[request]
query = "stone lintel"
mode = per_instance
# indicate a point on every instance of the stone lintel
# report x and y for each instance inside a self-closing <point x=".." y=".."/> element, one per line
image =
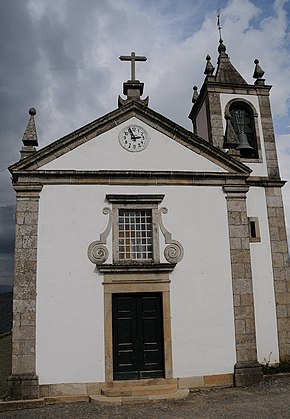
<point x="247" y="373"/>
<point x="142" y="267"/>
<point x="23" y="386"/>
<point x="150" y="198"/>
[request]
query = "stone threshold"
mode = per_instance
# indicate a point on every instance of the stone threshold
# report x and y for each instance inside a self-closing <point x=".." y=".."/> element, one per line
<point x="133" y="399"/>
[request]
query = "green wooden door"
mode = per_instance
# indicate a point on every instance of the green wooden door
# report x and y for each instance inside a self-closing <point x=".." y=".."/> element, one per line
<point x="137" y="336"/>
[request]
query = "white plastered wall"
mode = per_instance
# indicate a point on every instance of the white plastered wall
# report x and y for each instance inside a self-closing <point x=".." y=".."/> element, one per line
<point x="105" y="153"/>
<point x="263" y="286"/>
<point x="70" y="319"/>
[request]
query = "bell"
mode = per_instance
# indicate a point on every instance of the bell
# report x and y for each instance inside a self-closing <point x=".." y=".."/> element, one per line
<point x="243" y="142"/>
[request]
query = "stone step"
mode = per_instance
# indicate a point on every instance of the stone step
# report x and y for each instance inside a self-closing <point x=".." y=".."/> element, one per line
<point x="141" y="383"/>
<point x="139" y="390"/>
<point x="102" y="399"/>
<point x="144" y="387"/>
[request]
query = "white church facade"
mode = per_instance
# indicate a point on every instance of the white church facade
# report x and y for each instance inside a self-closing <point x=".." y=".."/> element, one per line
<point x="147" y="254"/>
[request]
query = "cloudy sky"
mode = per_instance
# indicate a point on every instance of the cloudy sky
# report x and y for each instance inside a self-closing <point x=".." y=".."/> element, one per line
<point x="61" y="57"/>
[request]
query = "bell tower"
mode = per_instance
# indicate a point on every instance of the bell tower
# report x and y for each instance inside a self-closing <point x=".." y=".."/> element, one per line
<point x="235" y="117"/>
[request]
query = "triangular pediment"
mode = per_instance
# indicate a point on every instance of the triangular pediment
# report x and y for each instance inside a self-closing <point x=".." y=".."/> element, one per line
<point x="96" y="147"/>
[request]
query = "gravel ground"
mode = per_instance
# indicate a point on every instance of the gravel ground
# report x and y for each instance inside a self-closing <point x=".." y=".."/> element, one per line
<point x="268" y="400"/>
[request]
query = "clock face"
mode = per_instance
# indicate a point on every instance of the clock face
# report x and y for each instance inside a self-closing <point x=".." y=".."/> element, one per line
<point x="133" y="138"/>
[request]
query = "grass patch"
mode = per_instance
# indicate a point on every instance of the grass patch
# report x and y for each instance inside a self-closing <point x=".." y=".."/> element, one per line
<point x="283" y="366"/>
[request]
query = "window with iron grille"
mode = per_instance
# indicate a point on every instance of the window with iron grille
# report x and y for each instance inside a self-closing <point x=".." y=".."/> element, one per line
<point x="135" y="234"/>
<point x="135" y="228"/>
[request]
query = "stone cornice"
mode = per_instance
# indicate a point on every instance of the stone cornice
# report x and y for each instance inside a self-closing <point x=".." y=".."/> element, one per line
<point x="33" y="180"/>
<point x="133" y="177"/>
<point x="265" y="182"/>
<point x="248" y="88"/>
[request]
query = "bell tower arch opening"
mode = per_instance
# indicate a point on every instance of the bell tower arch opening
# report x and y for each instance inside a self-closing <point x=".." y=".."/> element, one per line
<point x="242" y="119"/>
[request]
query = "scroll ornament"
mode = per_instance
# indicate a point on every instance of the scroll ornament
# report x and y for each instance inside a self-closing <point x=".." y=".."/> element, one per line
<point x="173" y="252"/>
<point x="97" y="251"/>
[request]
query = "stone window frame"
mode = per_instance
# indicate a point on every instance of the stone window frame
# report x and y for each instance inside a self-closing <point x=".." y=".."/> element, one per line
<point x="256" y="124"/>
<point x="135" y="202"/>
<point x="98" y="252"/>
<point x="254" y="224"/>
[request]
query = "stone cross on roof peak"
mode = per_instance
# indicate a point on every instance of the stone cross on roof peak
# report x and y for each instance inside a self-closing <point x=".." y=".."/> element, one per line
<point x="133" y="58"/>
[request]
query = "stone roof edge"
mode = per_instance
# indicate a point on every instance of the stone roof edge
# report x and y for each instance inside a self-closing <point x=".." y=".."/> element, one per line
<point x="65" y="141"/>
<point x="116" y="117"/>
<point x="213" y="85"/>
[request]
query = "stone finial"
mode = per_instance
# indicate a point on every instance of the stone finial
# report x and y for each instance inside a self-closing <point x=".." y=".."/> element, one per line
<point x="30" y="136"/>
<point x="209" y="68"/>
<point x="195" y="94"/>
<point x="221" y="48"/>
<point x="258" y="73"/>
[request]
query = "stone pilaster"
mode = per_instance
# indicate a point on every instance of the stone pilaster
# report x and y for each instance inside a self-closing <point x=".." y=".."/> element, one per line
<point x="247" y="369"/>
<point x="215" y="119"/>
<point x="23" y="382"/>
<point x="268" y="132"/>
<point x="279" y="249"/>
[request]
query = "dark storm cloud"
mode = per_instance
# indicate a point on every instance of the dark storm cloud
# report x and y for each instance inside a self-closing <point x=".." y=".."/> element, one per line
<point x="17" y="74"/>
<point x="42" y="60"/>
<point x="65" y="41"/>
<point x="44" y="63"/>
<point x="18" y="88"/>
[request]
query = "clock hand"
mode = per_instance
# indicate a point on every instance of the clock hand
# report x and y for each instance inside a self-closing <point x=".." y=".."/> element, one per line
<point x="131" y="132"/>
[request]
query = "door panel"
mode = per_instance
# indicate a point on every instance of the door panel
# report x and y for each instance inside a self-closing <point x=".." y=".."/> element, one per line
<point x="137" y="336"/>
